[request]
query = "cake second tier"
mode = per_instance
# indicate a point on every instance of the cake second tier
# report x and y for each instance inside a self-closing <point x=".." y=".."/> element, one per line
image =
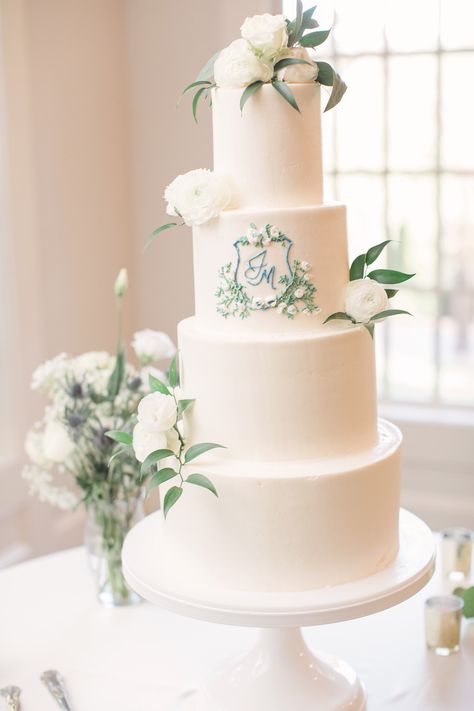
<point x="280" y="397"/>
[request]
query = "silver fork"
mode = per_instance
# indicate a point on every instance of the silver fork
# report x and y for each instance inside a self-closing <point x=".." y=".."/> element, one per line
<point x="54" y="682"/>
<point x="11" y="694"/>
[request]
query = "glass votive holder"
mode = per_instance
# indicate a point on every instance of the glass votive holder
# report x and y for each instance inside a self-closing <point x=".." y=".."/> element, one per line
<point x="456" y="553"/>
<point x="443" y="615"/>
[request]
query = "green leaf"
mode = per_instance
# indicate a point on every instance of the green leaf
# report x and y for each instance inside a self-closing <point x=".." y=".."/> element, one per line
<point x="329" y="77"/>
<point x="389" y="312"/>
<point x="389" y="276"/>
<point x="116" y="377"/>
<point x="357" y="268"/>
<point x="374" y="252"/>
<point x="309" y="22"/>
<point x="247" y="93"/>
<point x="370" y="328"/>
<point x="173" y="372"/>
<point x="156" y="385"/>
<point x="171" y="497"/>
<point x="195" y="84"/>
<point x="197" y="449"/>
<point x="155" y="457"/>
<point x="288" y="62"/>
<point x="286" y="92"/>
<point x="196" y="98"/>
<point x="467" y="594"/>
<point x="339" y="315"/>
<point x="294" y="28"/>
<point x="184" y="404"/>
<point x="325" y="74"/>
<point x="156" y="232"/>
<point x="160" y="477"/>
<point x="201" y="480"/>
<point x="117" y="436"/>
<point x="314" y="39"/>
<point x="117" y="454"/>
<point x="207" y="72"/>
<point x="391" y="293"/>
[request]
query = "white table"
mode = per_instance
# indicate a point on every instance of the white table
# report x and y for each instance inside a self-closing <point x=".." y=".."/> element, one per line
<point x="141" y="658"/>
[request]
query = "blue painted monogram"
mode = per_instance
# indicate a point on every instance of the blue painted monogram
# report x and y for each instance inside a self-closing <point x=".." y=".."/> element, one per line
<point x="257" y="270"/>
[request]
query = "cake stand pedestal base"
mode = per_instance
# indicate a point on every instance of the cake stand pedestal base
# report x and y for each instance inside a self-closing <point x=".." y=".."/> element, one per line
<point x="279" y="673"/>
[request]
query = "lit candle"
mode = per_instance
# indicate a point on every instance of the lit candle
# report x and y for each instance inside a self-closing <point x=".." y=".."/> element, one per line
<point x="443" y="615"/>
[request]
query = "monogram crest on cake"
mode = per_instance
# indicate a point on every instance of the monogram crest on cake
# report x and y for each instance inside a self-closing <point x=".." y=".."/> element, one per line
<point x="264" y="275"/>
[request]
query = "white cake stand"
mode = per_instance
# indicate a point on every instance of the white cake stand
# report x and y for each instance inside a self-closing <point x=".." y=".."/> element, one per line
<point x="280" y="673"/>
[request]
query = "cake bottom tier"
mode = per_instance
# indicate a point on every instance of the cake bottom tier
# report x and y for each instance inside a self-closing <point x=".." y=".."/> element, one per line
<point x="287" y="526"/>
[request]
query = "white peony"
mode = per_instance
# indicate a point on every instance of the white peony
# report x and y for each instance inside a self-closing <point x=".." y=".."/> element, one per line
<point x="157" y="412"/>
<point x="151" y="346"/>
<point x="238" y="66"/>
<point x="364" y="298"/>
<point x="57" y="445"/>
<point x="146" y="441"/>
<point x="198" y="196"/>
<point x="299" y="73"/>
<point x="266" y="33"/>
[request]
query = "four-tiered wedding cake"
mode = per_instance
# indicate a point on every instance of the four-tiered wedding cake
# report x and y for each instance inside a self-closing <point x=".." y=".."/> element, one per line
<point x="308" y="485"/>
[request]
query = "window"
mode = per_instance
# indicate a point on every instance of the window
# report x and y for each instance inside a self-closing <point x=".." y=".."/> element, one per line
<point x="399" y="151"/>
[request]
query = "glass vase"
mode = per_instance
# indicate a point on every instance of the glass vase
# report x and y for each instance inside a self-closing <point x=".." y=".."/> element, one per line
<point x="107" y="524"/>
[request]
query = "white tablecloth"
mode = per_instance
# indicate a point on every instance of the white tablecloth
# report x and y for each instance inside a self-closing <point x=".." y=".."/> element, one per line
<point x="142" y="658"/>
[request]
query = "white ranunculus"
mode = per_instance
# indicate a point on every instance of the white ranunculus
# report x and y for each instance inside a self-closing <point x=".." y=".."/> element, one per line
<point x="364" y="298"/>
<point x="151" y="346"/>
<point x="199" y="196"/>
<point x="57" y="445"/>
<point x="237" y="66"/>
<point x="157" y="412"/>
<point x="299" y="73"/>
<point x="146" y="441"/>
<point x="266" y="33"/>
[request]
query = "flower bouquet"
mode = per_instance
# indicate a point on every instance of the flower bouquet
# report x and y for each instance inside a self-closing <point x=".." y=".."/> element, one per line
<point x="73" y="462"/>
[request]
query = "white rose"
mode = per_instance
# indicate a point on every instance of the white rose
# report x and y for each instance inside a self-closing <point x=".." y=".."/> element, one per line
<point x="299" y="293"/>
<point x="299" y="73"/>
<point x="238" y="66"/>
<point x="157" y="412"/>
<point x="198" y="196"/>
<point x="146" y="441"/>
<point x="57" y="445"/>
<point x="305" y="266"/>
<point x="364" y="298"/>
<point x="151" y="346"/>
<point x="266" y="33"/>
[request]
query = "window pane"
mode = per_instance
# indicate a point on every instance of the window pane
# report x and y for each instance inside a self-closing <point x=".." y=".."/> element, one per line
<point x="410" y="25"/>
<point x="456" y="23"/>
<point x="411" y="363"/>
<point x="360" y="117"/>
<point x="458" y="110"/>
<point x="457" y="346"/>
<point x="412" y="107"/>
<point x="364" y="198"/>
<point x="457" y="263"/>
<point x="359" y="26"/>
<point x="412" y="220"/>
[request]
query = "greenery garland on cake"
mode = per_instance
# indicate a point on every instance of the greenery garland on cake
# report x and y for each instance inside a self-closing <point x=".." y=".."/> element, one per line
<point x="158" y="438"/>
<point x="271" y="50"/>
<point x="367" y="294"/>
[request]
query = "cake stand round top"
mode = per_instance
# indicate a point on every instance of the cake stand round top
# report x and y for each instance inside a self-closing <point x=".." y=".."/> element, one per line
<point x="406" y="575"/>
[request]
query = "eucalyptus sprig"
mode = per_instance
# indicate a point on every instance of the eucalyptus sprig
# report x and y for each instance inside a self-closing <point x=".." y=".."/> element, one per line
<point x="358" y="270"/>
<point x="151" y="467"/>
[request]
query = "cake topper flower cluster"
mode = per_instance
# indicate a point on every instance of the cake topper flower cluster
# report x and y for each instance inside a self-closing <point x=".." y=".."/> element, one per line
<point x="271" y="50"/>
